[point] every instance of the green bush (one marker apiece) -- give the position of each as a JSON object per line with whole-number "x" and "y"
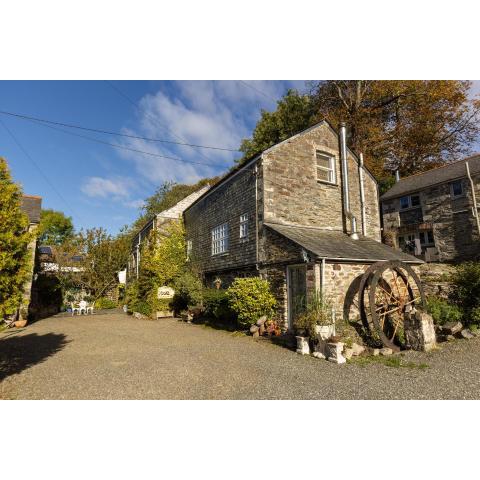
{"x": 217, "y": 307}
{"x": 466, "y": 294}
{"x": 188, "y": 291}
{"x": 104, "y": 303}
{"x": 443, "y": 311}
{"x": 250, "y": 298}
{"x": 143, "y": 307}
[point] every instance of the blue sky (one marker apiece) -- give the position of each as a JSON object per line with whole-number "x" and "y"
{"x": 99, "y": 185}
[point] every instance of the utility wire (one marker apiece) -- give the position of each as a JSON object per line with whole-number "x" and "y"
{"x": 257, "y": 90}
{"x": 19, "y": 145}
{"x": 126, "y": 97}
{"x": 123, "y": 147}
{"x": 108, "y": 132}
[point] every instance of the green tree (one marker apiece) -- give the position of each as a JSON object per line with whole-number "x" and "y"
{"x": 294, "y": 113}
{"x": 166, "y": 196}
{"x": 15, "y": 261}
{"x": 407, "y": 125}
{"x": 55, "y": 228}
{"x": 102, "y": 256}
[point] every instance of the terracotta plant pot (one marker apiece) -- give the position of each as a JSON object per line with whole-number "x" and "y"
{"x": 20, "y": 323}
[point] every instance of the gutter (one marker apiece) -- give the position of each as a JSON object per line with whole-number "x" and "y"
{"x": 362, "y": 196}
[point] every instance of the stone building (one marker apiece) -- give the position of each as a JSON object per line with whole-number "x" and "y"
{"x": 156, "y": 222}
{"x": 32, "y": 206}
{"x": 433, "y": 215}
{"x": 304, "y": 214}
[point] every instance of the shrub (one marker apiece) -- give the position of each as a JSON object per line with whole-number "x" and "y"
{"x": 216, "y": 305}
{"x": 316, "y": 310}
{"x": 143, "y": 307}
{"x": 104, "y": 302}
{"x": 250, "y": 298}
{"x": 443, "y": 311}
{"x": 466, "y": 293}
{"x": 188, "y": 291}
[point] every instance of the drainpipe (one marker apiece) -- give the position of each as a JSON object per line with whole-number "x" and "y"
{"x": 397, "y": 176}
{"x": 362, "y": 196}
{"x": 322, "y": 277}
{"x": 346, "y": 193}
{"x": 475, "y": 211}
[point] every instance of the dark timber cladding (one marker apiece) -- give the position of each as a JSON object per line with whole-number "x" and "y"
{"x": 281, "y": 213}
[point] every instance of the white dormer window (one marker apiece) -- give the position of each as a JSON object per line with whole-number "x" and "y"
{"x": 325, "y": 167}
{"x": 220, "y": 239}
{"x": 244, "y": 225}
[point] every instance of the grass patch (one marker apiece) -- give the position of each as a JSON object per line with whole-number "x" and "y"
{"x": 3, "y": 327}
{"x": 393, "y": 361}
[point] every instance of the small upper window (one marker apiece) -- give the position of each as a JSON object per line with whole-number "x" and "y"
{"x": 244, "y": 225}
{"x": 456, "y": 188}
{"x": 404, "y": 202}
{"x": 415, "y": 200}
{"x": 325, "y": 167}
{"x": 220, "y": 239}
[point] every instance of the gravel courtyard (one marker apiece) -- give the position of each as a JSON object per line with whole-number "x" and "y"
{"x": 118, "y": 357}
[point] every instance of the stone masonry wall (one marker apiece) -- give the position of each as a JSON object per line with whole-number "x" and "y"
{"x": 292, "y": 194}
{"x": 454, "y": 227}
{"x": 225, "y": 204}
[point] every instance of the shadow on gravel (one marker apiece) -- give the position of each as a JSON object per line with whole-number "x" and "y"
{"x": 18, "y": 353}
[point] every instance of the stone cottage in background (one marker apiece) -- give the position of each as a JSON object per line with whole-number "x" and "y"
{"x": 303, "y": 214}
{"x": 32, "y": 206}
{"x": 435, "y": 215}
{"x": 157, "y": 222}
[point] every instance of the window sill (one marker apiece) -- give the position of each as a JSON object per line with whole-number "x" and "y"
{"x": 330, "y": 184}
{"x": 223, "y": 254}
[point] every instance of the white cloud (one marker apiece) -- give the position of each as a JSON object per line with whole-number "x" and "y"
{"x": 212, "y": 113}
{"x": 106, "y": 187}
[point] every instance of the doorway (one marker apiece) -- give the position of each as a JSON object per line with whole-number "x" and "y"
{"x": 297, "y": 291}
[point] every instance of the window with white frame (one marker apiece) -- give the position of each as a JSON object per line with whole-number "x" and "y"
{"x": 244, "y": 225}
{"x": 189, "y": 249}
{"x": 325, "y": 167}
{"x": 220, "y": 239}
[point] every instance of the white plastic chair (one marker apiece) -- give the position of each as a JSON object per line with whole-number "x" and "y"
{"x": 83, "y": 307}
{"x": 89, "y": 308}
{"x": 74, "y": 309}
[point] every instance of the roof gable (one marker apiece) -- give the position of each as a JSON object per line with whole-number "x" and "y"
{"x": 420, "y": 181}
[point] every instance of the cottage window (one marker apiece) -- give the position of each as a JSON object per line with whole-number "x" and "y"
{"x": 244, "y": 225}
{"x": 325, "y": 167}
{"x": 404, "y": 202}
{"x": 456, "y": 188}
{"x": 426, "y": 238}
{"x": 220, "y": 239}
{"x": 409, "y": 201}
{"x": 189, "y": 249}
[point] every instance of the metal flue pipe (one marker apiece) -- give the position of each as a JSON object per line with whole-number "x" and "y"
{"x": 346, "y": 192}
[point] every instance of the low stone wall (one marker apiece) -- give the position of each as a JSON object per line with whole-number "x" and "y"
{"x": 435, "y": 279}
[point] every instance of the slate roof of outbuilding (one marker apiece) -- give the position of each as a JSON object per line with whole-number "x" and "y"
{"x": 447, "y": 173}
{"x": 32, "y": 206}
{"x": 335, "y": 245}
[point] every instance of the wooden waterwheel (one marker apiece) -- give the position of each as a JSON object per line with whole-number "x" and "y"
{"x": 387, "y": 290}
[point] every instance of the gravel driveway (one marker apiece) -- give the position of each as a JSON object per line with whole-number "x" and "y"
{"x": 119, "y": 357}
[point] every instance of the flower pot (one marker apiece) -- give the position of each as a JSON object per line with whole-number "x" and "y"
{"x": 324, "y": 332}
{"x": 20, "y": 323}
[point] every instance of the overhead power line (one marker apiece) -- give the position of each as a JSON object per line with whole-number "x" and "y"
{"x": 109, "y": 132}
{"x": 258, "y": 91}
{"x": 123, "y": 147}
{"x": 19, "y": 145}
{"x": 132, "y": 102}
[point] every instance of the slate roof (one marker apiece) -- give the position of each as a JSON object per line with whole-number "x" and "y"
{"x": 417, "y": 182}
{"x": 32, "y": 206}
{"x": 335, "y": 245}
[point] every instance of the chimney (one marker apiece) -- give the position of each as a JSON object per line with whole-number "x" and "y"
{"x": 346, "y": 193}
{"x": 397, "y": 175}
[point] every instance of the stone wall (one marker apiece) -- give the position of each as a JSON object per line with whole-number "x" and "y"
{"x": 453, "y": 224}
{"x": 436, "y": 279}
{"x": 224, "y": 204}
{"x": 293, "y": 195}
